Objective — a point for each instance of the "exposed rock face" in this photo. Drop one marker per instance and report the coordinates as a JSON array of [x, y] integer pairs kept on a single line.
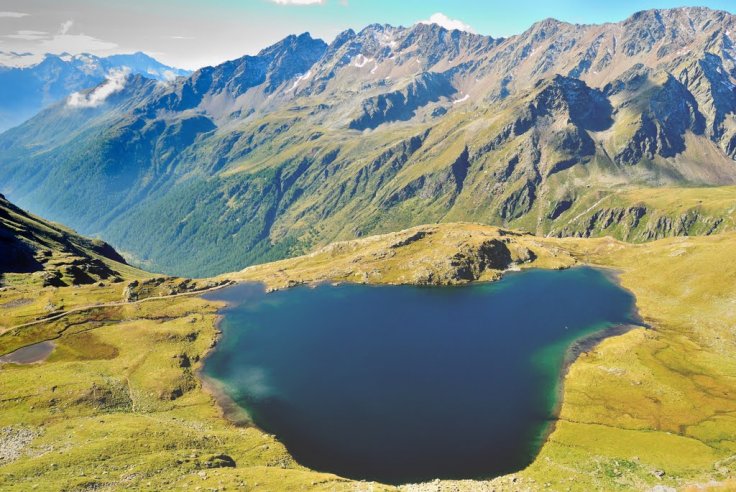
[[272, 67], [585, 107], [560, 207], [470, 263], [447, 182], [637, 223], [402, 104], [138, 290], [219, 461], [268, 155], [672, 112]]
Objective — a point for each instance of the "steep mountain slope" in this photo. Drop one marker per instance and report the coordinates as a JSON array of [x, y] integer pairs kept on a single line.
[[305, 143], [61, 257], [25, 90]]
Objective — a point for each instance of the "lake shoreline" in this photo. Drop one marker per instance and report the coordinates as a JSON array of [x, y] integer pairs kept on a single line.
[[35, 353], [229, 409], [586, 344], [238, 416], [574, 351]]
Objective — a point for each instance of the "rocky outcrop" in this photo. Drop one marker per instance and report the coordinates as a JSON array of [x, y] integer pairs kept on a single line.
[[639, 223], [518, 202], [138, 290], [58, 256], [672, 111], [401, 105], [446, 182], [559, 207], [442, 254], [470, 262], [586, 107]]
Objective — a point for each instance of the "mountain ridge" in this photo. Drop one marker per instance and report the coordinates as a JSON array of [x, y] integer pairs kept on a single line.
[[32, 245], [391, 127]]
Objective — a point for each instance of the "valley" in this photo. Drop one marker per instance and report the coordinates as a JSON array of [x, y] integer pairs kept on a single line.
[[564, 129]]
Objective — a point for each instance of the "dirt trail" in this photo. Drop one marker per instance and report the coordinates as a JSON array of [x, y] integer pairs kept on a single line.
[[113, 304]]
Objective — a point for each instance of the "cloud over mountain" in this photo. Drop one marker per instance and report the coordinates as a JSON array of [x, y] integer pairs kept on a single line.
[[114, 83], [450, 24], [13, 15]]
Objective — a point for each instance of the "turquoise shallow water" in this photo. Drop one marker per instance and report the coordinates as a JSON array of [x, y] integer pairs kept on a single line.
[[401, 384]]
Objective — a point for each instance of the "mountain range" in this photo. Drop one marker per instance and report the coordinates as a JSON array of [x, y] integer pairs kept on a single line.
[[26, 89], [562, 130]]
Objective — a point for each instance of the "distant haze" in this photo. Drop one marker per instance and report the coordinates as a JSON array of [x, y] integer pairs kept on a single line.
[[189, 34]]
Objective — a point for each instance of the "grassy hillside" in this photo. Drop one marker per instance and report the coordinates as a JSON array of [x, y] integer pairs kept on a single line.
[[58, 255], [47, 270], [118, 404]]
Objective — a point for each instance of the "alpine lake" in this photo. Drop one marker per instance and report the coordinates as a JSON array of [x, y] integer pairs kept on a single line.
[[403, 384]]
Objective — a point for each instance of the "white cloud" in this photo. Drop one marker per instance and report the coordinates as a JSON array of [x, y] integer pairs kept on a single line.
[[75, 43], [27, 35], [442, 20], [38, 43], [115, 82], [299, 2], [168, 75], [13, 15], [65, 26], [256, 379]]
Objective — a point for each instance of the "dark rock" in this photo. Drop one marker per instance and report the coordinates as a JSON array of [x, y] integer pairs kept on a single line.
[[560, 207], [219, 461], [402, 104]]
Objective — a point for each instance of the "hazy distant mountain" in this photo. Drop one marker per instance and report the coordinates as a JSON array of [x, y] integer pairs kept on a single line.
[[26, 89], [388, 127]]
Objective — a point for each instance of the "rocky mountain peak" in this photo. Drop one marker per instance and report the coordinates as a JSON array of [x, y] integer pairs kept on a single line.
[[400, 122], [291, 57], [302, 43], [545, 29], [587, 107]]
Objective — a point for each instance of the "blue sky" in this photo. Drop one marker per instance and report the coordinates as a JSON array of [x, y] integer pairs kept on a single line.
[[491, 17], [194, 33]]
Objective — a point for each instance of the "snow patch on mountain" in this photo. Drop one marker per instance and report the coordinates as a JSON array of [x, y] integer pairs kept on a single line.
[[299, 79], [361, 61]]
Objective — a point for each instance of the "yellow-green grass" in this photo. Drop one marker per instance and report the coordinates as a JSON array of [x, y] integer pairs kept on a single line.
[[115, 406], [652, 406], [718, 200], [23, 302], [660, 399]]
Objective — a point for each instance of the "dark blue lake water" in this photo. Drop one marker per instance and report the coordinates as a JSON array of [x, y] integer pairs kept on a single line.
[[401, 384]]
